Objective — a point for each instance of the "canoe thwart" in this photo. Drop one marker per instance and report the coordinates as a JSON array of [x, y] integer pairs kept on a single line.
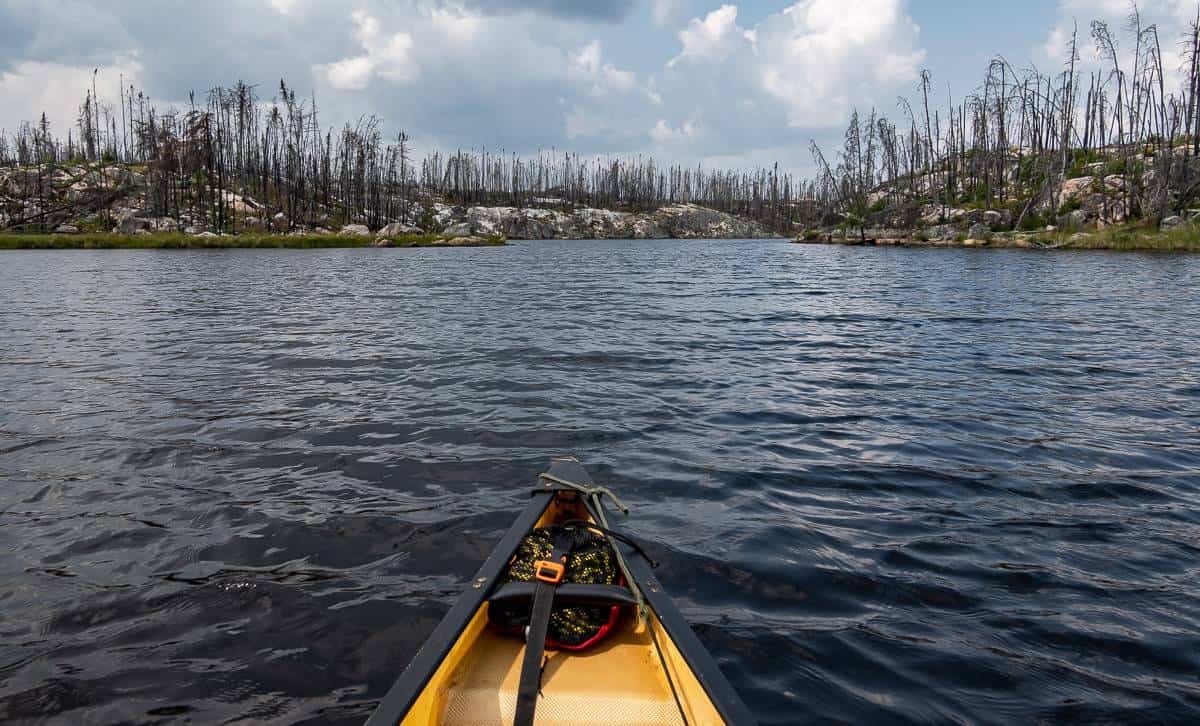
[[512, 593]]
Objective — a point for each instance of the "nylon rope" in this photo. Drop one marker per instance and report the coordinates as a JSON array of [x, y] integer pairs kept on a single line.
[[667, 672], [594, 494]]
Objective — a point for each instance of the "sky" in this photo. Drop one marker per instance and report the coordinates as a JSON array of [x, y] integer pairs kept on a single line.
[[732, 84]]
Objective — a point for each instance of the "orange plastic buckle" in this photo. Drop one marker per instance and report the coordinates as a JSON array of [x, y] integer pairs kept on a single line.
[[550, 572]]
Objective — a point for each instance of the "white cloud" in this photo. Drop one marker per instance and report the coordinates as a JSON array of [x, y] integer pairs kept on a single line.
[[350, 74], [652, 94], [457, 25], [603, 78], [31, 88], [820, 57], [810, 63], [387, 56], [665, 12], [713, 38], [392, 60], [662, 133], [513, 74], [284, 7], [1056, 44]]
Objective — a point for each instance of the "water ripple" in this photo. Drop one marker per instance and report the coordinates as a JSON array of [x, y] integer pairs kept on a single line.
[[886, 485]]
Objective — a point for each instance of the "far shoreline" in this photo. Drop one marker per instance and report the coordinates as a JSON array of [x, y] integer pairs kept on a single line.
[[1126, 238], [180, 241], [1130, 238]]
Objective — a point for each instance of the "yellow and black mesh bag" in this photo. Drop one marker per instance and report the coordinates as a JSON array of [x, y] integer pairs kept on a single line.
[[591, 561]]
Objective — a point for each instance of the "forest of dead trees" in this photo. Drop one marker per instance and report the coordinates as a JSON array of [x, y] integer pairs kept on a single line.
[[1014, 141], [1009, 144]]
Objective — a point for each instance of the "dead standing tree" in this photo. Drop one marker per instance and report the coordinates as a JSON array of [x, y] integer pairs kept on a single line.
[[1008, 145]]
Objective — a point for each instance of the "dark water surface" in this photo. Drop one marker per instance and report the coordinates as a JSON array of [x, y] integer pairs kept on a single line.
[[885, 485]]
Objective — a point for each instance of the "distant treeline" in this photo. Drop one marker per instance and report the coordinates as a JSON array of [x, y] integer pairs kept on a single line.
[[1015, 140], [228, 142], [1011, 143]]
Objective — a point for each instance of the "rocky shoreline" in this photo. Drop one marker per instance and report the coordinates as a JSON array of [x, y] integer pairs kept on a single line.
[[118, 200], [1133, 237], [178, 240], [996, 243], [680, 221]]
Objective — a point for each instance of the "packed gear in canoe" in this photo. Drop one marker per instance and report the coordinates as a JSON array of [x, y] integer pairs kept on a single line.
[[565, 623]]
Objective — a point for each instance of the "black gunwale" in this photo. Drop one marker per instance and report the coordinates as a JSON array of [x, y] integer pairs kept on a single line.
[[722, 694], [401, 696], [404, 692]]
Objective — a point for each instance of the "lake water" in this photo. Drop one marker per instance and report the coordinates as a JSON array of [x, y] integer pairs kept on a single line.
[[885, 485]]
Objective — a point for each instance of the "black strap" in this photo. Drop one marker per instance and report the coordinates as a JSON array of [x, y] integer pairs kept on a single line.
[[611, 533], [535, 641], [535, 648], [513, 595]]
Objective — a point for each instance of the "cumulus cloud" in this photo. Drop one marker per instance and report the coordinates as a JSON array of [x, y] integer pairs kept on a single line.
[[713, 38], [805, 67], [602, 78], [662, 133], [513, 74], [283, 6], [57, 90], [820, 57], [385, 55], [457, 25], [609, 10]]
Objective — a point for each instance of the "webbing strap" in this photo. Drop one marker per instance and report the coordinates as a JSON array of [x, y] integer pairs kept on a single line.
[[535, 648], [594, 494], [535, 639]]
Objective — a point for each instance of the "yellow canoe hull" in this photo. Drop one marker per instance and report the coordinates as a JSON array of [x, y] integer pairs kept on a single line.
[[625, 680]]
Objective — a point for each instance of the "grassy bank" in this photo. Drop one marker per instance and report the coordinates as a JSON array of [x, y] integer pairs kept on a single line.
[[1129, 238], [1135, 237], [177, 241]]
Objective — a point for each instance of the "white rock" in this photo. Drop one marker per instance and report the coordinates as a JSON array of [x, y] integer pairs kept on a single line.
[[399, 229], [1077, 218], [1073, 188], [163, 224], [132, 225], [240, 204], [461, 229]]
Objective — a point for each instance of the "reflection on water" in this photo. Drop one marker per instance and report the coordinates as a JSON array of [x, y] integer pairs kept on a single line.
[[884, 484]]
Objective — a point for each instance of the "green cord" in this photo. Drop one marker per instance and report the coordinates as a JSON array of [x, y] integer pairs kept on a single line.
[[594, 494]]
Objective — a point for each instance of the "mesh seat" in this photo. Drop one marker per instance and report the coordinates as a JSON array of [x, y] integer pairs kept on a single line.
[[617, 682], [478, 707]]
